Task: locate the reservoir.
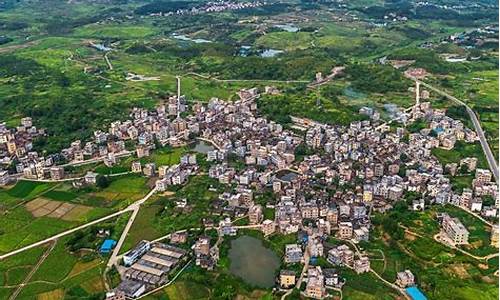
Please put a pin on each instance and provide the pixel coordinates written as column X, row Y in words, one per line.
column 253, row 262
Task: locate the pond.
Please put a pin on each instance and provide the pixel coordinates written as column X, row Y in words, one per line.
column 352, row 94
column 246, row 50
column 286, row 175
column 203, row 147
column 288, row 27
column 271, row 52
column 185, row 38
column 253, row 262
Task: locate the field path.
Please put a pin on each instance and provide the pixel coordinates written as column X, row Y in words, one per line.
column 32, row 272
column 18, row 46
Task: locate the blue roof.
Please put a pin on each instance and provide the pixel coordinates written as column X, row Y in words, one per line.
column 415, row 293
column 107, row 245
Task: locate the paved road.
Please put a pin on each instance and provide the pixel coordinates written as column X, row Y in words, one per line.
column 94, row 160
column 135, row 210
column 245, row 80
column 477, row 126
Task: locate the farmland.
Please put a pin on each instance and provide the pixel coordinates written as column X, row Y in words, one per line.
column 33, row 211
column 76, row 272
column 66, row 65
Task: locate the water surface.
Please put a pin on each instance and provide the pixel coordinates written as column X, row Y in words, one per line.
column 253, row 262
column 203, row 147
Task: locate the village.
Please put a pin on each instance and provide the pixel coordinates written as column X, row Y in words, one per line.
column 326, row 181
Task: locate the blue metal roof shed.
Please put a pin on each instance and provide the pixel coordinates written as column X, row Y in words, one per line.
column 415, row 293
column 107, row 246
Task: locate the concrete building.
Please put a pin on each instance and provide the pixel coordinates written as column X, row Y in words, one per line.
column 405, row 279
column 287, row 279
column 362, row 265
column 57, row 173
column 255, row 215
column 133, row 255
column 315, row 287
column 293, row 254
column 345, row 230
column 268, row 227
column 455, row 230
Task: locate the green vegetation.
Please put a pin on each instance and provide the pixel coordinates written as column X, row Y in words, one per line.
column 73, row 267
column 28, row 189
column 376, row 78
column 460, row 151
column 21, row 223
column 14, row 269
column 310, row 105
column 441, row 272
column 49, row 72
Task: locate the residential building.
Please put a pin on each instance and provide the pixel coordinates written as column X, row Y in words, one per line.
column 287, row 279
column 57, row 173
column 405, row 279
column 293, row 254
column 345, row 230
column 362, row 265
column 268, row 227
column 455, row 230
column 255, row 215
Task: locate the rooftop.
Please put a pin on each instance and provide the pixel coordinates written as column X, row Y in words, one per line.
column 415, row 293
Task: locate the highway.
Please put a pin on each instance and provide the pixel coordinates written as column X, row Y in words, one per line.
column 477, row 126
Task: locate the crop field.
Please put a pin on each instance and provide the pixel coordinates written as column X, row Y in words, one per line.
column 49, row 209
column 14, row 269
column 20, row 228
column 72, row 269
column 50, row 71
column 28, row 189
column 113, row 32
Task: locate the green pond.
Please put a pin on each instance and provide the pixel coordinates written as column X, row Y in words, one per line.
column 253, row 262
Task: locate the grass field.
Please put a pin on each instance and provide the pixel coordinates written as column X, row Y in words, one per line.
column 144, row 227
column 60, row 208
column 460, row 151
column 442, row 273
column 28, row 189
column 165, row 156
column 111, row 31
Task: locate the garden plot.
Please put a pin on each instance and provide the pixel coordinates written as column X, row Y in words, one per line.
column 60, row 210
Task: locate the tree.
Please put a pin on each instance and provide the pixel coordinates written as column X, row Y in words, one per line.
column 102, row 181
